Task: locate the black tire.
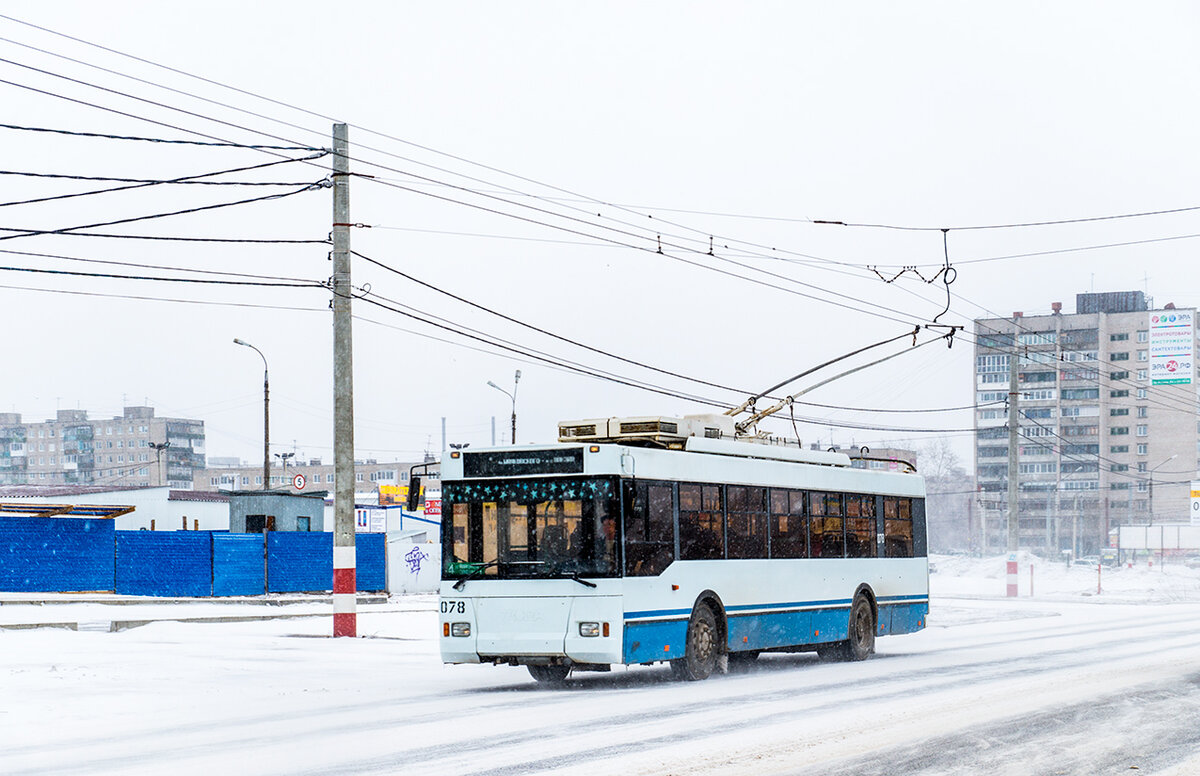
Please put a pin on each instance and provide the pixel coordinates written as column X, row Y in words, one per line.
column 860, row 643
column 549, row 674
column 703, row 647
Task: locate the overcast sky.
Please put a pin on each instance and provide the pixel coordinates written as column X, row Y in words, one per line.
column 527, row 156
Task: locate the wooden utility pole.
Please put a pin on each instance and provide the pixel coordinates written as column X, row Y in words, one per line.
column 344, row 582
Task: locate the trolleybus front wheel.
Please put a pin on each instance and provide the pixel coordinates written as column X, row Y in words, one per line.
column 549, row 674
column 700, row 658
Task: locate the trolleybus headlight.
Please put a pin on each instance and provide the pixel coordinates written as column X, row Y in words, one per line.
column 460, row 629
column 589, row 629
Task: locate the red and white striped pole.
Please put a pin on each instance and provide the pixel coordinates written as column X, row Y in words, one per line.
column 344, row 594
column 1012, row 575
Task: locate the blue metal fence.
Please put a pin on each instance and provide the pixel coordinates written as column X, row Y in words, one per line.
column 55, row 555
column 370, row 558
column 158, row 563
column 39, row 554
column 238, row 564
column 299, row 562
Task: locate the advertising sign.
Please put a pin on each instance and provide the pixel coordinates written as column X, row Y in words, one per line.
column 1195, row 503
column 1172, row 347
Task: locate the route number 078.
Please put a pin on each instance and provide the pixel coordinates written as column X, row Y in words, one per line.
column 454, row 607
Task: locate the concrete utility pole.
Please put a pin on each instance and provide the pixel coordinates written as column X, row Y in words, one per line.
column 1014, row 478
column 344, row 582
column 1014, row 411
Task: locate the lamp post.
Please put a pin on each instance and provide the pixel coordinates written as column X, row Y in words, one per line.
column 513, row 396
column 1156, row 468
column 266, row 414
column 158, row 448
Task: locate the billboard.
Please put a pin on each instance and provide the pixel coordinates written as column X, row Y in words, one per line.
column 1172, row 347
column 1196, row 504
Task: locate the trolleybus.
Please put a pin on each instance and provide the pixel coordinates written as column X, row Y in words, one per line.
column 641, row 543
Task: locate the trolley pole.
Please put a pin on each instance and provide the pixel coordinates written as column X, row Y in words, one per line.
column 344, row 583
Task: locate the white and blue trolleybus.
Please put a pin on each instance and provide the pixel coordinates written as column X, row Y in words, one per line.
column 639, row 540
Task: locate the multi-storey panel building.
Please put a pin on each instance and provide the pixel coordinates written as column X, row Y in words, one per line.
column 1102, row 441
column 135, row 449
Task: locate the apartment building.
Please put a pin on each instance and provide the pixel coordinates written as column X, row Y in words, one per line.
column 1107, row 419
column 133, row 449
column 368, row 476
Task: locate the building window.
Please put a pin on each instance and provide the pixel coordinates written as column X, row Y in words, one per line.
column 1118, row 394
column 1141, row 374
column 1120, row 467
column 1143, row 336
column 1118, row 411
column 1143, row 430
column 1143, row 449
column 245, row 480
column 1143, row 412
column 1119, row 449
column 1120, row 375
column 358, row 477
column 1118, row 337
column 1142, row 466
column 1141, row 393
column 1141, row 486
column 1142, row 355
column 1124, row 356
column 1118, row 430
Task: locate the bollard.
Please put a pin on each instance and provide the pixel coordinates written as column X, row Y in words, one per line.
column 1012, row 575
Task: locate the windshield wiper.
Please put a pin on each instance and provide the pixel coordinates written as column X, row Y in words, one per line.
column 474, row 573
column 581, row 580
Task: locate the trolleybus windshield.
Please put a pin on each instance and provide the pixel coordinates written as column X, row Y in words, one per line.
column 532, row 528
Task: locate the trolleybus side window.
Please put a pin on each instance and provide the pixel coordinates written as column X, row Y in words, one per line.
column 860, row 526
column 747, row 516
column 701, row 523
column 789, row 526
column 826, row 525
column 897, row 527
column 649, row 528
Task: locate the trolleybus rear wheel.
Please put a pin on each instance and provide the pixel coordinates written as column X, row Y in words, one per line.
column 860, row 642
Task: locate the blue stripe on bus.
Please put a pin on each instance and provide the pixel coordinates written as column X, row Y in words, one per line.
column 774, row 607
column 650, row 641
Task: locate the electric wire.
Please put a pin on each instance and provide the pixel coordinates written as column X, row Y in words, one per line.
column 215, row 144
column 202, row 208
column 200, row 281
column 192, row 179
column 147, row 266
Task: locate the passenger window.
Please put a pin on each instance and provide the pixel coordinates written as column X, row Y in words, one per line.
column 897, row 527
column 701, row 532
column 827, row 538
column 747, row 521
column 789, row 527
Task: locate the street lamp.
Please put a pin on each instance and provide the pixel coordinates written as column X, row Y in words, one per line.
column 513, row 396
column 266, row 415
column 1156, row 468
column 158, row 448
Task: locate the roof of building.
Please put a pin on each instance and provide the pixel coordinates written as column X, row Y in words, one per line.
column 64, row 510
column 55, row 491
column 219, row 496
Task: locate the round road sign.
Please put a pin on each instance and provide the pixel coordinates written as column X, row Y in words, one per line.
column 299, row 481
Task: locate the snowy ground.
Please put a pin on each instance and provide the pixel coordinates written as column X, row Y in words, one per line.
column 1064, row 682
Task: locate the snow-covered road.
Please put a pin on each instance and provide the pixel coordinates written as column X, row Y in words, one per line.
column 1027, row 686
